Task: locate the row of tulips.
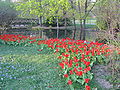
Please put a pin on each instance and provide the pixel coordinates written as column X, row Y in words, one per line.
column 12, row 39
column 77, row 56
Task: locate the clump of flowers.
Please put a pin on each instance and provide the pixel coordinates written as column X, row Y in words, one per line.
column 15, row 40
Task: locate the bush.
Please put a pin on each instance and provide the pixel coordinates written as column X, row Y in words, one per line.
column 7, row 13
column 52, row 22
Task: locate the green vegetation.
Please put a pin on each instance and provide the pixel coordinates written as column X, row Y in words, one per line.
column 23, row 69
column 27, row 68
column 88, row 26
column 7, row 13
column 33, row 67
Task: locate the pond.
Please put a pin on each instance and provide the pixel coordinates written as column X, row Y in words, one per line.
column 52, row 33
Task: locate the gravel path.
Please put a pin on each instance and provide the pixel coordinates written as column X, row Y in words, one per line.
column 101, row 73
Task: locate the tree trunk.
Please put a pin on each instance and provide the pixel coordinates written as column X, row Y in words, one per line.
column 74, row 34
column 81, row 29
column 65, row 27
column 84, row 20
column 40, row 20
column 65, row 20
column 57, row 27
column 84, row 27
column 81, row 25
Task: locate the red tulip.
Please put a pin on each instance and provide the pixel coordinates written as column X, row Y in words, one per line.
column 65, row 75
column 87, row 80
column 69, row 82
column 62, row 65
column 71, row 72
column 87, row 87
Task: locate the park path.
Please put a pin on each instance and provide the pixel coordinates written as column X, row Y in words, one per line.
column 101, row 72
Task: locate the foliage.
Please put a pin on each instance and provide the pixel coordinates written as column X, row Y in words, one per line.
column 53, row 22
column 7, row 13
column 29, row 8
column 46, row 8
column 101, row 40
column 52, row 11
column 101, row 24
column 107, row 12
column 108, row 38
column 53, row 8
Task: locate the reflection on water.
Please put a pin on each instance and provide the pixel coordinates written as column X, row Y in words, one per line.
column 50, row 33
column 46, row 33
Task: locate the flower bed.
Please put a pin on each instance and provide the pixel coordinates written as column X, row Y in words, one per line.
column 77, row 56
column 12, row 39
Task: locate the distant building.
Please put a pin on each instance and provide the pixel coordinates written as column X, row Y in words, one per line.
column 93, row 0
column 6, row 0
column 10, row 0
column 14, row 0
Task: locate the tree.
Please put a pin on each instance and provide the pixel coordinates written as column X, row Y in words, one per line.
column 30, row 9
column 107, row 12
column 7, row 13
column 45, row 9
column 81, row 11
column 108, row 17
column 58, row 9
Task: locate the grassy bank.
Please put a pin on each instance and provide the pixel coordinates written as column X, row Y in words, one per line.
column 26, row 68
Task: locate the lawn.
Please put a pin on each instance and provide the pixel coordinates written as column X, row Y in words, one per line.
column 88, row 26
column 26, row 68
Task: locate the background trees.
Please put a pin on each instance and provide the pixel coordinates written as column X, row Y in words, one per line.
column 52, row 10
column 47, row 11
column 55, row 11
column 107, row 13
column 108, row 19
column 7, row 13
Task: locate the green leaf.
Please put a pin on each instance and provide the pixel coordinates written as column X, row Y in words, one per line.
column 81, row 81
column 73, row 77
column 83, row 65
column 71, row 87
column 90, row 75
column 91, row 63
column 84, row 76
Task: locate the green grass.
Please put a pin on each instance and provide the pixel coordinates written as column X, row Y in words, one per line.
column 22, row 50
column 22, row 69
column 25, row 68
column 31, row 73
column 89, row 26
